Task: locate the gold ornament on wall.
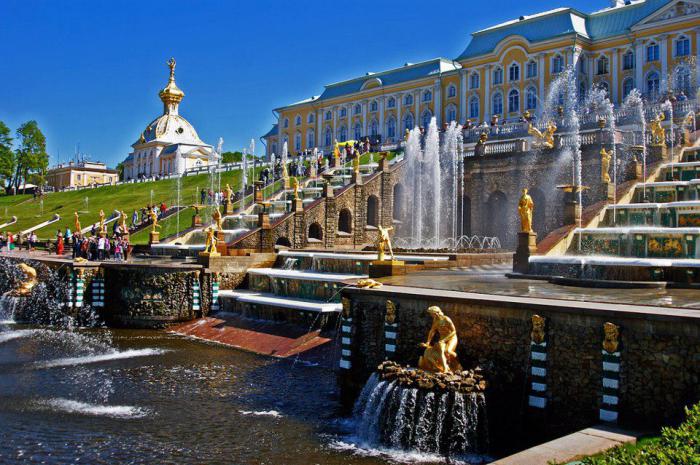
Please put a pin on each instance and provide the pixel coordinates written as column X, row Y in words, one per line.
column 612, row 337
column 538, row 329
column 390, row 312
column 346, row 307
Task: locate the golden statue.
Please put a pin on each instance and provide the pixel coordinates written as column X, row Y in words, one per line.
column 210, row 245
column 26, row 286
column 406, row 134
column 295, row 187
column 546, row 138
column 440, row 356
column 76, row 222
column 102, row 221
column 390, row 317
column 537, row 334
column 605, row 157
column 229, row 193
column 154, row 220
column 658, row 133
column 367, row 283
column 336, row 153
column 171, row 64
column 122, row 223
column 612, row 337
column 525, row 208
column 346, row 307
column 384, row 242
column 285, row 173
column 483, row 137
column 216, row 216
column 356, row 164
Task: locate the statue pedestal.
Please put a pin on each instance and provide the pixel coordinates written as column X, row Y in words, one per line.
column 656, row 153
column 264, row 220
column 572, row 212
column 196, row 221
column 228, row 207
column 258, row 191
column 527, row 245
column 297, row 205
column 154, row 237
column 381, row 268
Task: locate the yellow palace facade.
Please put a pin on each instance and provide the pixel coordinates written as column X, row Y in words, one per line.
column 651, row 45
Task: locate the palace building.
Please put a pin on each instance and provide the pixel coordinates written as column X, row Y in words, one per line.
column 169, row 144
column 651, row 45
column 82, row 174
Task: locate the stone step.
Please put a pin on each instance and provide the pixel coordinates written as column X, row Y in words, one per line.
column 272, row 300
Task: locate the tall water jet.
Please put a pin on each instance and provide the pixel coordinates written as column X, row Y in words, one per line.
column 432, row 182
column 453, row 167
column 414, row 196
column 634, row 104
column 667, row 106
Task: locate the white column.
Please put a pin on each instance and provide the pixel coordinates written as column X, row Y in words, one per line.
column 416, row 103
column 639, row 65
column 364, row 118
column 663, row 55
column 438, row 102
column 335, row 124
column 351, row 134
column 381, row 117
column 487, row 93
column 463, row 97
column 399, row 124
column 614, row 85
column 540, row 75
column 319, row 128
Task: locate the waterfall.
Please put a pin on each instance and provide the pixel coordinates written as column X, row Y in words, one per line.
column 635, row 103
column 8, row 307
column 407, row 418
column 290, row 263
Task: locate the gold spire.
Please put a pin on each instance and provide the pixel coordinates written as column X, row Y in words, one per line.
column 171, row 95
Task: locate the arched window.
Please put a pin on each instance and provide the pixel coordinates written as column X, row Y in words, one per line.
column 513, row 101
column 474, row 80
column 310, row 118
column 514, row 72
column 286, row 123
column 557, row 64
column 497, row 104
column 451, row 91
column 427, row 116
column 497, row 76
column 451, row 113
column 653, row 84
column 391, row 103
column 310, row 139
column 358, row 131
column 531, row 98
column 531, row 70
column 374, row 128
column 297, row 141
column 427, row 96
column 297, row 120
column 315, row 232
column 474, row 107
column 343, row 134
column 627, row 86
column 408, row 100
column 682, row 48
column 328, row 137
column 391, row 128
column 373, row 106
column 329, row 116
column 682, row 80
column 345, row 221
column 652, row 52
column 628, row 60
column 408, row 122
column 358, row 109
column 343, row 112
column 372, row 211
column 602, row 65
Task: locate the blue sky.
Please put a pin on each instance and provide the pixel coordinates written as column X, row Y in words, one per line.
column 89, row 71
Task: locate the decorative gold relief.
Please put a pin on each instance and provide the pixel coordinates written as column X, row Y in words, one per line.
column 538, row 328
column 612, row 336
column 390, row 312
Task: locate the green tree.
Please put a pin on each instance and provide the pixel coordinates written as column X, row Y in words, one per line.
column 231, row 157
column 31, row 156
column 7, row 156
column 120, row 170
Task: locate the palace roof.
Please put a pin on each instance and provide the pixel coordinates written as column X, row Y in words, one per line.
column 562, row 22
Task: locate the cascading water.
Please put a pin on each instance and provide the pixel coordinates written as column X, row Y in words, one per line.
column 389, row 414
column 634, row 104
column 667, row 106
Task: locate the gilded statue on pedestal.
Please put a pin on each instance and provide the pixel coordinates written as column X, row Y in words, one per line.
column 210, row 244
column 76, row 223
column 390, row 316
column 440, row 356
column 295, row 187
column 229, row 193
column 612, row 337
column 658, row 133
column 546, row 138
column 356, row 163
column 216, row 216
column 525, row 208
column 605, row 157
column 384, row 242
column 26, row 286
column 102, row 222
column 154, row 220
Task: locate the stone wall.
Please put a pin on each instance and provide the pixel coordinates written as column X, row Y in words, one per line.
column 658, row 377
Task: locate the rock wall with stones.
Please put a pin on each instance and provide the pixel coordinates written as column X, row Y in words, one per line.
column 659, row 369
column 150, row 297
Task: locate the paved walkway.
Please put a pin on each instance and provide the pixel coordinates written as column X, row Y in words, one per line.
column 575, row 446
column 491, row 279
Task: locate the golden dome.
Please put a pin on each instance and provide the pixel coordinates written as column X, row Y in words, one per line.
column 171, row 95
